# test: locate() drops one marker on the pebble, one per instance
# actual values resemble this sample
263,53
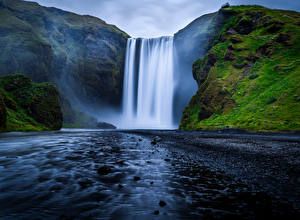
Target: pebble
104,170
162,203
136,178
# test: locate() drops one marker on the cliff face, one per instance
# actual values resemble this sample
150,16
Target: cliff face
250,77
191,43
82,55
27,106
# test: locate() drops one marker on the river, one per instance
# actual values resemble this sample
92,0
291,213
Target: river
140,174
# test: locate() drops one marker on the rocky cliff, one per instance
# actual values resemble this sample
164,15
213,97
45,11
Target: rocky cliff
82,55
250,76
27,106
191,43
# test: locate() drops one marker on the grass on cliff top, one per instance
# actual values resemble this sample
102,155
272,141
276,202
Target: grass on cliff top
267,94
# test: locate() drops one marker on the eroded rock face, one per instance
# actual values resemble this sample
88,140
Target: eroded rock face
82,55
191,43
230,77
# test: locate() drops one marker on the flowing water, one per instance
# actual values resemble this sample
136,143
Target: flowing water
177,175
148,83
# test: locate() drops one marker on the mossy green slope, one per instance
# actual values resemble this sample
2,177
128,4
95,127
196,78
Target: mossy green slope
27,106
81,55
250,78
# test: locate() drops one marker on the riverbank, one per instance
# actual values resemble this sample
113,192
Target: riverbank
127,174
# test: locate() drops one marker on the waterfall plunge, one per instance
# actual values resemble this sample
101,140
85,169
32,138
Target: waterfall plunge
148,83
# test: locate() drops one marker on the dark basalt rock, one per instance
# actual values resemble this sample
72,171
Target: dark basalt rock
226,5
275,28
136,178
204,113
104,125
104,170
245,26
162,203
283,38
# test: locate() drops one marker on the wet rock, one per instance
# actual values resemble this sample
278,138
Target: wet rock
156,139
156,212
120,163
167,160
104,170
162,203
136,178
120,186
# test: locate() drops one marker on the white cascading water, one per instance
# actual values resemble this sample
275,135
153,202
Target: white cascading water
148,83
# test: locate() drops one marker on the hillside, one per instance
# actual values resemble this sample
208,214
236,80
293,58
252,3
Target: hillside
192,42
82,55
250,77
28,106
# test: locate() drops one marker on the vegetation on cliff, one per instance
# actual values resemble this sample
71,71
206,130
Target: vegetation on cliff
27,106
81,55
250,78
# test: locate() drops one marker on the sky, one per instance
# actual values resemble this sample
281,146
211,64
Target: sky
154,18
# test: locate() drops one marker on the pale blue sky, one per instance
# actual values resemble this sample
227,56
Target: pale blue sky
153,18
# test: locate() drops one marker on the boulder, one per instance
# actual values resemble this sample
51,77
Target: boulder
104,125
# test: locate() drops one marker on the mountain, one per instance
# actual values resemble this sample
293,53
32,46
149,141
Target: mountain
82,55
249,78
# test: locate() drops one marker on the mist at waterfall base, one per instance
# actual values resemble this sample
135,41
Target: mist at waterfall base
158,84
149,83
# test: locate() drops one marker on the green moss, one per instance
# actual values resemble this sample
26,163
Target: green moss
263,91
29,106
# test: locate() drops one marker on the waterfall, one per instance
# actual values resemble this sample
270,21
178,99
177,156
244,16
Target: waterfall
148,83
